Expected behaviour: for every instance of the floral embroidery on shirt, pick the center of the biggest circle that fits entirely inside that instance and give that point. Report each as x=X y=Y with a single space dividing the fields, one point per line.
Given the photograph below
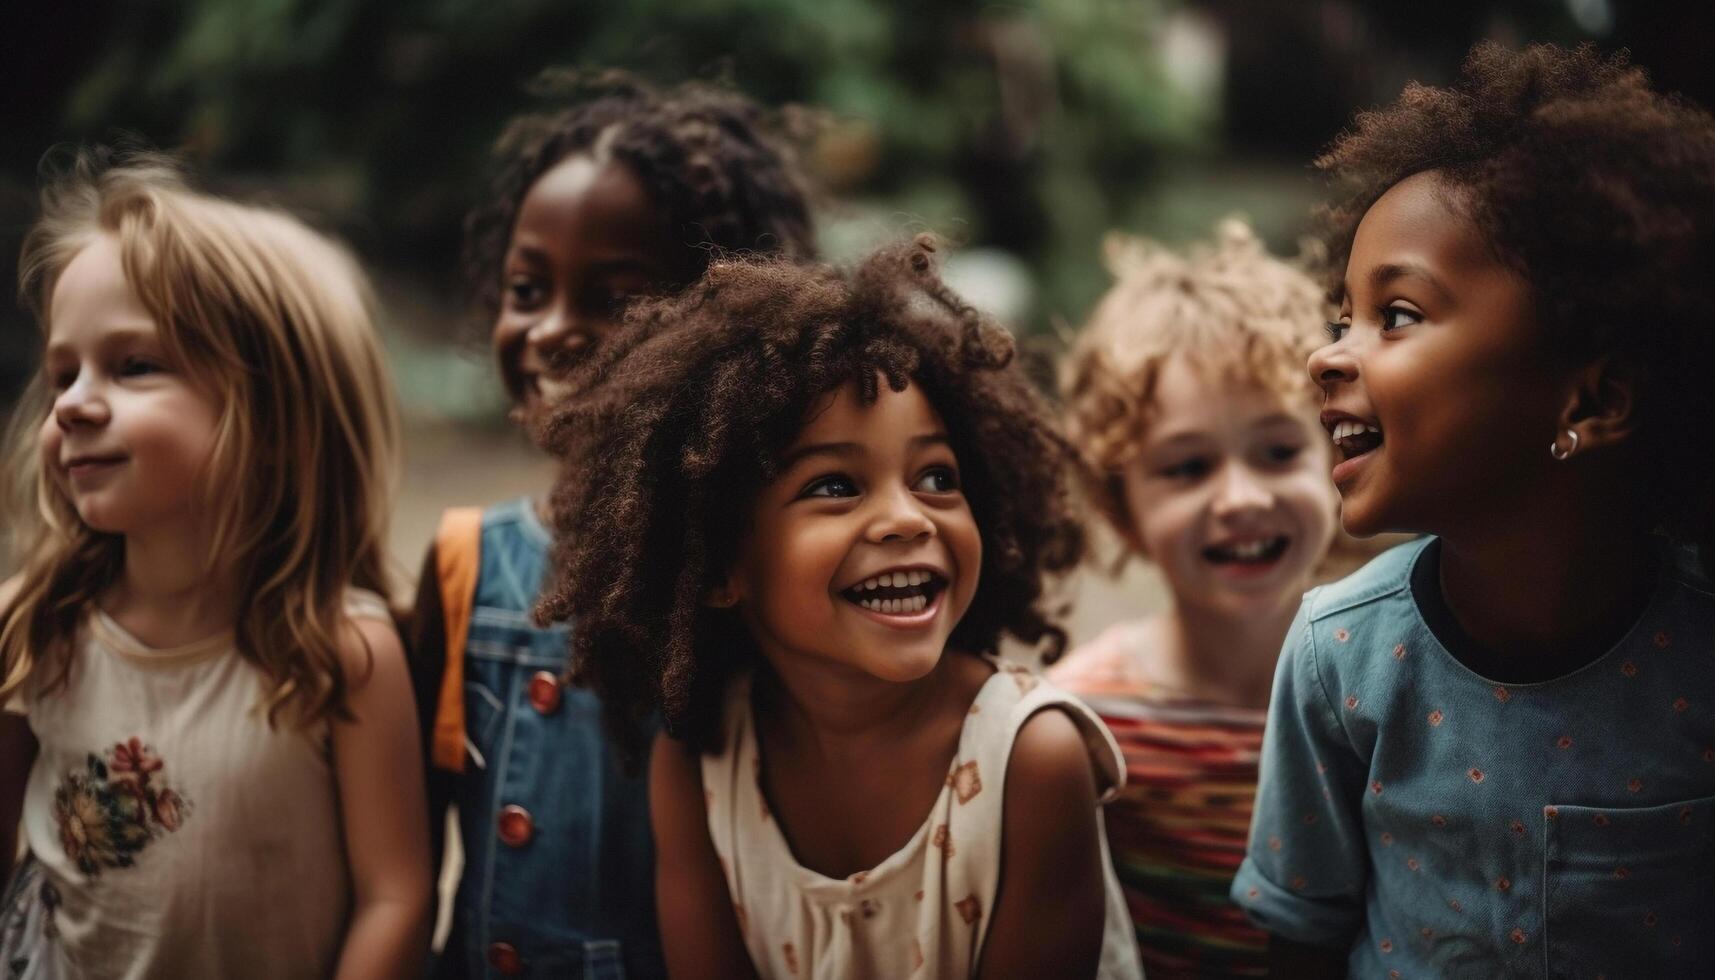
x=1399 y=652
x=112 y=808
x=966 y=781
x=1023 y=676
x=1503 y=695
x=1662 y=639
x=1435 y=717
x=970 y=908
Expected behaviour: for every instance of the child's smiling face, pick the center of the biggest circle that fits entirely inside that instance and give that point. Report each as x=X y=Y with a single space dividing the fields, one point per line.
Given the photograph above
x=863 y=553
x=1441 y=395
x=587 y=239
x=1229 y=493
x=130 y=434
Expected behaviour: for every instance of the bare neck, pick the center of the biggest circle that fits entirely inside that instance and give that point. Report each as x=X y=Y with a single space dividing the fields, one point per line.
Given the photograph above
x=1572 y=575
x=167 y=595
x=844 y=715
x=1222 y=657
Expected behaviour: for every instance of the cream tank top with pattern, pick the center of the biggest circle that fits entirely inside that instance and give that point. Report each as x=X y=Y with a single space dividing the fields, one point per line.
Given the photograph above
x=177 y=834
x=924 y=911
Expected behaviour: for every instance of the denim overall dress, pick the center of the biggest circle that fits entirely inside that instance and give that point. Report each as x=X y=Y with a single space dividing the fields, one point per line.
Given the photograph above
x=559 y=869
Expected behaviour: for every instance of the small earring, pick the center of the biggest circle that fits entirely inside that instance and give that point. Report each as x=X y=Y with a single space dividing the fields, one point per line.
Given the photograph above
x=1558 y=453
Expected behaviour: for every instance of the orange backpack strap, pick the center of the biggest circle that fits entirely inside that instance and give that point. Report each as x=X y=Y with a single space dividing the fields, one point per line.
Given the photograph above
x=458 y=546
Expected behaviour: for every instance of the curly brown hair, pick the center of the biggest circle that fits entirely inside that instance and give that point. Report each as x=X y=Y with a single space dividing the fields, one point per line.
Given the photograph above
x=713 y=160
x=681 y=420
x=1599 y=192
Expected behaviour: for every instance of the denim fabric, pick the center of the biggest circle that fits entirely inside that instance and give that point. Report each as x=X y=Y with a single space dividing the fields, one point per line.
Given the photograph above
x=1438 y=823
x=578 y=899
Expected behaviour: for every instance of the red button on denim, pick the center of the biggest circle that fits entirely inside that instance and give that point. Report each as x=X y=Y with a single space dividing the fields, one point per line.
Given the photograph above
x=545 y=692
x=505 y=959
x=515 y=825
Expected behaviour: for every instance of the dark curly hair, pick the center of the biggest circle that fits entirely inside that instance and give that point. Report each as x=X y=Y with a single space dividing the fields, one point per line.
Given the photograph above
x=712 y=159
x=682 y=416
x=1601 y=194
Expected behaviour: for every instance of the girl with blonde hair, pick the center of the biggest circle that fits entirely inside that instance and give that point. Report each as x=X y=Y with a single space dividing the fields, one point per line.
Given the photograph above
x=208 y=728
x=1198 y=442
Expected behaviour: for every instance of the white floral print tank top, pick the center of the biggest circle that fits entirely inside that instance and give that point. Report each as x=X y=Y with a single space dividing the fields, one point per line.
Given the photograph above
x=174 y=832
x=922 y=912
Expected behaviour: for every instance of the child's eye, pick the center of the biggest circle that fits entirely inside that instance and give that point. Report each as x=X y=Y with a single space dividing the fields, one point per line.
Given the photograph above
x=1283 y=453
x=523 y=293
x=137 y=367
x=939 y=479
x=835 y=485
x=1392 y=315
x=1194 y=468
x=1336 y=330
x=61 y=380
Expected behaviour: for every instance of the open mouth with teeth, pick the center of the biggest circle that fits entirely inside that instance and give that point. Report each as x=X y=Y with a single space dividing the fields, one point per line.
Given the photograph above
x=1261 y=551
x=1353 y=438
x=896 y=593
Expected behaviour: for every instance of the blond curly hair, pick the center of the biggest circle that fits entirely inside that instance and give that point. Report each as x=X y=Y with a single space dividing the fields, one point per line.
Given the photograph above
x=1241 y=315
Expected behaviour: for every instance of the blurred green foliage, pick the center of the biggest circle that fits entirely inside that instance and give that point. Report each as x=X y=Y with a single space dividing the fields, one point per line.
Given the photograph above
x=1026 y=125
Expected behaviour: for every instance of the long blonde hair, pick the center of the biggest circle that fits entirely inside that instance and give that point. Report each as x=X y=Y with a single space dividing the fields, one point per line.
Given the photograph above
x=274 y=321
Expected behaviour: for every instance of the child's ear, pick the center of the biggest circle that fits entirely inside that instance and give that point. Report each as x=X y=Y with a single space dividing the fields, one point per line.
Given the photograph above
x=1601 y=408
x=722 y=596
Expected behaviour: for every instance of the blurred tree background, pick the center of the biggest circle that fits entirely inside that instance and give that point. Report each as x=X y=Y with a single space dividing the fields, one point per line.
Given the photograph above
x=1022 y=130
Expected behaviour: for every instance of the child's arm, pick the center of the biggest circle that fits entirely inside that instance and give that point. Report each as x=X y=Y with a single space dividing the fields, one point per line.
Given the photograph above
x=1050 y=905
x=17 y=754
x=699 y=931
x=426 y=653
x=1289 y=959
x=1305 y=870
x=380 y=771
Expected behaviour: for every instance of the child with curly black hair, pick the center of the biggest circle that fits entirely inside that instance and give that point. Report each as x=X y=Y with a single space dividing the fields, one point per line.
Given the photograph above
x=1491 y=752
x=626 y=192
x=799 y=512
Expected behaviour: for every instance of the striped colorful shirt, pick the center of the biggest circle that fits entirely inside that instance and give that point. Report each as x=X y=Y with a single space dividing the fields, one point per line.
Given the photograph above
x=1179 y=827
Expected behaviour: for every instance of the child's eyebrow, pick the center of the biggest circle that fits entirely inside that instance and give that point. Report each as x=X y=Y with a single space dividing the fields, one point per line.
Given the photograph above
x=795 y=456
x=115 y=335
x=1383 y=275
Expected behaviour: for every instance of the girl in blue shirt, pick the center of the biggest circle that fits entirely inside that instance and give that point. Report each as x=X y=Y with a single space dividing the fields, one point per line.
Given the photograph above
x=1492 y=752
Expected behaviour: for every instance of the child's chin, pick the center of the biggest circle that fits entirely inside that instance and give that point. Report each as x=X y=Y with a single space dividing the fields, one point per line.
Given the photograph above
x=903 y=666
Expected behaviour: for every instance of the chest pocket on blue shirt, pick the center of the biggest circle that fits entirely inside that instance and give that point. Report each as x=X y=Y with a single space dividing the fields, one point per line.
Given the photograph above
x=1630 y=892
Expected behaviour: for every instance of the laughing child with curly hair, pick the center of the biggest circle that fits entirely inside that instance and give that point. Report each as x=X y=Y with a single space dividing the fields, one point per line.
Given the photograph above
x=1198 y=442
x=800 y=509
x=1491 y=752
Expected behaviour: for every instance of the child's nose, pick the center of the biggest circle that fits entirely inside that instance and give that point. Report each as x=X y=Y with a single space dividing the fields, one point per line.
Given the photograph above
x=1240 y=490
x=900 y=518
x=1331 y=364
x=80 y=404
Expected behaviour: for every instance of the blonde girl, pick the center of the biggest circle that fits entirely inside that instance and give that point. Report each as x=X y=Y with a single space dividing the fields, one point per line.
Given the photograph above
x=1198 y=442
x=208 y=731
